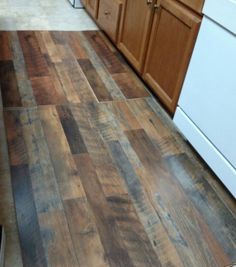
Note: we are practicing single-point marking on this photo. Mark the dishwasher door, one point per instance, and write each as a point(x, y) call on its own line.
point(208, 100)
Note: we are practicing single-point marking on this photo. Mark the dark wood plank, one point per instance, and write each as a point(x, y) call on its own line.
point(115, 250)
point(110, 60)
point(71, 130)
point(35, 61)
point(8, 85)
point(16, 146)
point(31, 243)
point(45, 92)
point(94, 80)
point(5, 46)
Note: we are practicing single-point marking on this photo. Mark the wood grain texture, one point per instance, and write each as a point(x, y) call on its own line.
point(8, 84)
point(100, 176)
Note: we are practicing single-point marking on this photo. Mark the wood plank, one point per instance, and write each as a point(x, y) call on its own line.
point(31, 243)
point(65, 169)
point(94, 80)
point(160, 241)
point(16, 146)
point(71, 130)
point(35, 61)
point(219, 218)
point(181, 218)
point(5, 47)
point(101, 69)
point(44, 184)
point(24, 85)
point(129, 87)
point(75, 44)
point(115, 250)
point(57, 240)
point(8, 85)
point(107, 56)
point(67, 86)
point(45, 92)
point(52, 48)
point(87, 243)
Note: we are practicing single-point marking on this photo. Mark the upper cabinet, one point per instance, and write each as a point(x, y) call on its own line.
point(173, 36)
point(92, 7)
point(134, 30)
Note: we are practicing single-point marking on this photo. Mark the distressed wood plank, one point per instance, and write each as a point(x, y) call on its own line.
point(106, 55)
point(174, 207)
point(8, 85)
point(65, 169)
point(5, 47)
point(94, 80)
point(16, 146)
point(86, 239)
point(216, 214)
point(57, 240)
point(35, 61)
point(71, 130)
point(31, 243)
point(45, 92)
point(115, 250)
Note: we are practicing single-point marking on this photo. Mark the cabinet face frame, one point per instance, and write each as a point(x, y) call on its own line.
point(137, 63)
point(192, 21)
point(115, 8)
point(93, 11)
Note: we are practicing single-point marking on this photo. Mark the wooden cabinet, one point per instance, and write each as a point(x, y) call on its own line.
point(109, 17)
point(173, 36)
point(195, 5)
point(92, 7)
point(135, 29)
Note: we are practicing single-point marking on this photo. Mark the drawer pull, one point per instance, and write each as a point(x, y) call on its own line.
point(149, 2)
point(107, 13)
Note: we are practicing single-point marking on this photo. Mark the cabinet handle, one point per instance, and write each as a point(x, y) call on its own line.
point(107, 13)
point(149, 2)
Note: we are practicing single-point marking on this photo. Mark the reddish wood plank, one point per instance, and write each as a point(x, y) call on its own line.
point(35, 61)
point(5, 46)
point(8, 85)
point(110, 60)
point(45, 92)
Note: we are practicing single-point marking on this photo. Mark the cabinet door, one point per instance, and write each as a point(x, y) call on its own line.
point(135, 29)
point(173, 36)
point(92, 7)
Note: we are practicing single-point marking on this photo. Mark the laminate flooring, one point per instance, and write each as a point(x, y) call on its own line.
point(99, 174)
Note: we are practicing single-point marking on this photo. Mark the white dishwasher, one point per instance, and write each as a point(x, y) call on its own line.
point(206, 112)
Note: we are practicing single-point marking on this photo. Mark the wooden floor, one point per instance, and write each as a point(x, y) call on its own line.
point(100, 176)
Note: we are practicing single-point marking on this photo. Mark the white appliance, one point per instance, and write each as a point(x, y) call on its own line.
point(76, 3)
point(206, 112)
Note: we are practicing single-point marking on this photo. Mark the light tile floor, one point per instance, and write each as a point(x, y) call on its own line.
point(43, 15)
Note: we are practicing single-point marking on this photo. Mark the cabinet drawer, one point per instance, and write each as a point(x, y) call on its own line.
point(109, 17)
